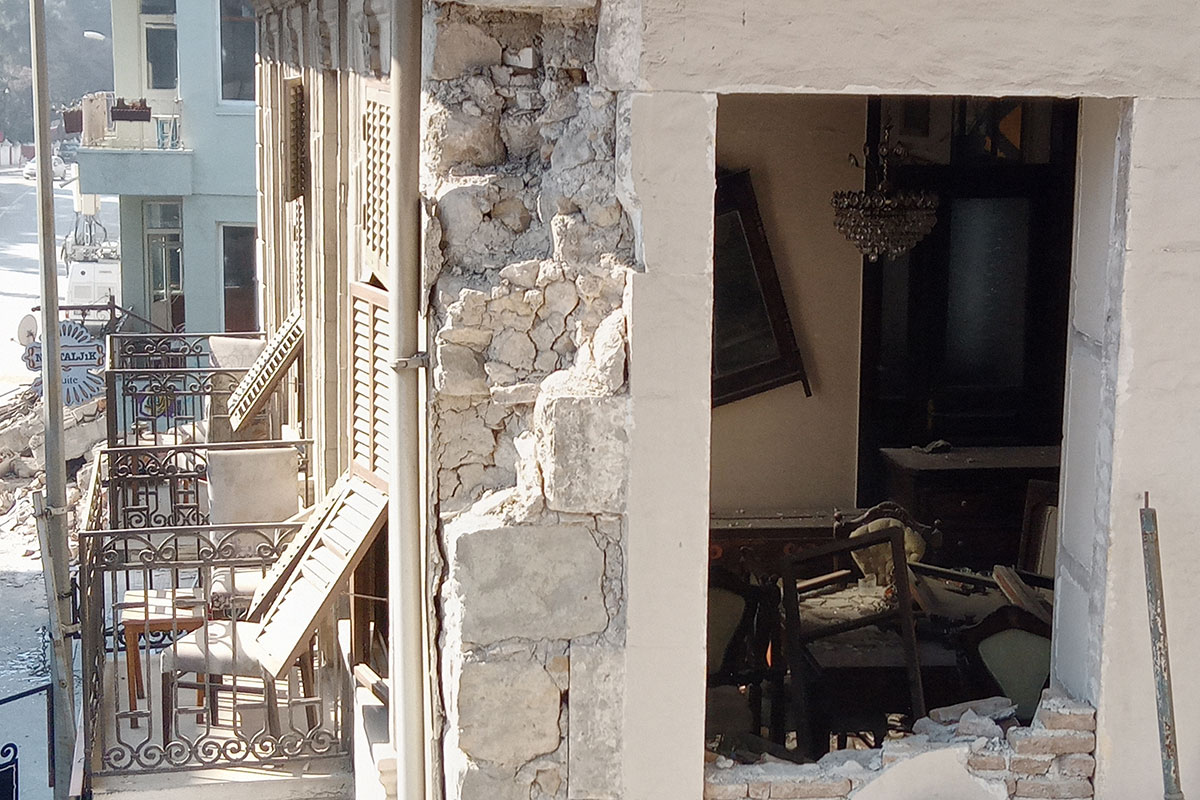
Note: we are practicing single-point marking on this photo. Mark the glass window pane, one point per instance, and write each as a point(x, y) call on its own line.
point(163, 215)
point(742, 332)
point(985, 315)
point(241, 286)
point(238, 43)
point(158, 6)
point(162, 67)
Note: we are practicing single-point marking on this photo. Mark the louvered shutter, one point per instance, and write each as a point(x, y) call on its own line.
point(370, 384)
point(255, 387)
point(377, 165)
point(338, 545)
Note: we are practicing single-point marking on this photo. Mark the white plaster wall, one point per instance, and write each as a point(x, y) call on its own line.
point(1093, 341)
point(666, 174)
point(1157, 448)
point(127, 48)
point(1090, 47)
point(780, 450)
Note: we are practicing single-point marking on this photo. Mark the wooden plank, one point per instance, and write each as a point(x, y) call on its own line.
point(323, 567)
point(256, 386)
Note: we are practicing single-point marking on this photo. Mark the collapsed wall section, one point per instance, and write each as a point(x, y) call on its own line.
point(528, 250)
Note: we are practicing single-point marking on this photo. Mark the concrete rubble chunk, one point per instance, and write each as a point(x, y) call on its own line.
point(507, 712)
point(524, 581)
point(484, 783)
point(460, 48)
point(972, 724)
point(1041, 741)
point(995, 708)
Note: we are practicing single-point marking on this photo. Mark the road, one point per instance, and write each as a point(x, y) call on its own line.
point(19, 284)
point(22, 596)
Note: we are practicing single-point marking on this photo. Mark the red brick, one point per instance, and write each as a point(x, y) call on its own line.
point(1053, 788)
point(1044, 742)
point(1030, 765)
point(1076, 765)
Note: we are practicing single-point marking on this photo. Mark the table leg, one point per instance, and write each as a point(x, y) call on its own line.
point(133, 670)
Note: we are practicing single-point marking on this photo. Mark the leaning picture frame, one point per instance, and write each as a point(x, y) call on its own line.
point(754, 346)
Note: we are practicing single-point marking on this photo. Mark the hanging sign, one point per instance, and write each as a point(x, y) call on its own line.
point(82, 359)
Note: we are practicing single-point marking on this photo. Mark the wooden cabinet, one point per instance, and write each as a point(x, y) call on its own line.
point(974, 495)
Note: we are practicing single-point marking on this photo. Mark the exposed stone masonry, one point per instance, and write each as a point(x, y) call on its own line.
point(529, 404)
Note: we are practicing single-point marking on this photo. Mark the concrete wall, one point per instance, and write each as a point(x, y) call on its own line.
point(779, 450)
point(1111, 48)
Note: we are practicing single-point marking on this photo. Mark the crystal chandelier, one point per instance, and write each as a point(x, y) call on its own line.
point(885, 222)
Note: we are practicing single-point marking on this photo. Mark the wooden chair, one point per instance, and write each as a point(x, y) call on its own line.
point(291, 602)
point(805, 672)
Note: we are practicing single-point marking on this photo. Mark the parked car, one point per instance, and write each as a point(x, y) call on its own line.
point(58, 168)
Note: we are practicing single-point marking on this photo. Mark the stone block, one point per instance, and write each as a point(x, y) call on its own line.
point(534, 582)
point(1059, 712)
point(461, 48)
point(507, 712)
point(1030, 765)
point(1055, 788)
point(987, 761)
point(583, 449)
point(725, 791)
point(991, 707)
point(1041, 741)
point(597, 714)
point(483, 783)
point(1075, 765)
point(459, 371)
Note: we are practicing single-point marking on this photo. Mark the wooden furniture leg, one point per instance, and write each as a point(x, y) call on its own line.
point(308, 686)
point(168, 705)
point(133, 670)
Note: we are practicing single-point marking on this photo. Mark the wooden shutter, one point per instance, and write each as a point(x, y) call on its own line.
point(376, 172)
point(297, 138)
point(339, 543)
point(370, 384)
point(255, 387)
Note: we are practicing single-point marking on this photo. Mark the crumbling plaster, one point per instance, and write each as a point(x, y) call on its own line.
point(529, 254)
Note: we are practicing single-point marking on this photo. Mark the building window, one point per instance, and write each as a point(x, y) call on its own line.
point(241, 279)
point(237, 50)
point(162, 65)
point(158, 6)
point(164, 263)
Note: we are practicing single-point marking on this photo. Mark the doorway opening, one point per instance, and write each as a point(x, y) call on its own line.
point(915, 413)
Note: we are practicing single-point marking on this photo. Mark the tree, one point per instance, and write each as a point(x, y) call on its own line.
point(76, 65)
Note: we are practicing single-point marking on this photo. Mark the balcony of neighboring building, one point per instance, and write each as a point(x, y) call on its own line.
point(200, 536)
point(131, 146)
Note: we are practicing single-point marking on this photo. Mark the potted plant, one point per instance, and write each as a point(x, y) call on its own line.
point(131, 111)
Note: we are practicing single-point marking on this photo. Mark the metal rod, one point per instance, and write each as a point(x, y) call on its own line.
point(1158, 644)
point(405, 529)
point(52, 527)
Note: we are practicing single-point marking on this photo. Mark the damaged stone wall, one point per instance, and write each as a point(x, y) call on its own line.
point(972, 751)
point(528, 254)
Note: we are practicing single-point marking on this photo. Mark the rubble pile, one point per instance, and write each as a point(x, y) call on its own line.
point(977, 744)
point(22, 464)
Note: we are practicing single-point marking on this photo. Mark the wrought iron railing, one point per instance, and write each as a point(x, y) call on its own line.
point(109, 124)
point(163, 485)
point(160, 588)
point(169, 677)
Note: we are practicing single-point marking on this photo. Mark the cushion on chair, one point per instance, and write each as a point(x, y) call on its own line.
point(221, 647)
point(877, 560)
point(252, 485)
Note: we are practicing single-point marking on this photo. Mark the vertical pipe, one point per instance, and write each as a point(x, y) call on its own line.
point(1162, 661)
point(54, 546)
point(405, 531)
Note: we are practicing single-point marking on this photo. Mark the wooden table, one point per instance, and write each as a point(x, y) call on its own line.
point(148, 611)
point(975, 495)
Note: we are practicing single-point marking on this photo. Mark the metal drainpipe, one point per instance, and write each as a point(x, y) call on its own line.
point(405, 530)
